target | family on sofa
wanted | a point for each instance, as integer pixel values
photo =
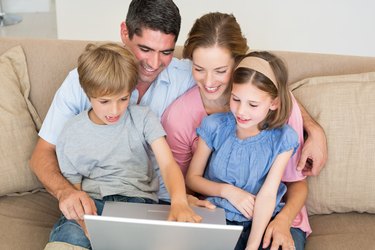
(211, 88)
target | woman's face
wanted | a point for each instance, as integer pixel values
(212, 69)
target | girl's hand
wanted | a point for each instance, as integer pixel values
(240, 199)
(181, 211)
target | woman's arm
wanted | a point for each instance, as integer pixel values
(266, 199)
(174, 182)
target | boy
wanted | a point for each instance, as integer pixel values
(105, 150)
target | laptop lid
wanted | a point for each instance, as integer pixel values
(112, 232)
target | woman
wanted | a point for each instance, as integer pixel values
(214, 44)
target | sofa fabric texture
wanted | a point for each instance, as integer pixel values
(342, 105)
(19, 122)
(336, 90)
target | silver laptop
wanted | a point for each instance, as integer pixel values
(144, 226)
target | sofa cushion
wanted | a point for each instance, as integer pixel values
(18, 124)
(344, 107)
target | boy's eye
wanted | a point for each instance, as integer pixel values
(103, 101)
(198, 69)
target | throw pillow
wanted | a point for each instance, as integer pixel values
(18, 124)
(343, 106)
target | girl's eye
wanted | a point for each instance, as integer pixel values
(124, 99)
(253, 105)
(235, 99)
(221, 72)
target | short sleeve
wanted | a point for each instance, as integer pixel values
(289, 140)
(152, 128)
(68, 101)
(213, 129)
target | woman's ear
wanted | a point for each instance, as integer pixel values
(275, 104)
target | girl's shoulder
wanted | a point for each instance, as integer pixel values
(286, 137)
(218, 121)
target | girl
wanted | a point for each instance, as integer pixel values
(250, 148)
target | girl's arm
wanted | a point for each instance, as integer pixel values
(279, 229)
(240, 199)
(174, 182)
(266, 199)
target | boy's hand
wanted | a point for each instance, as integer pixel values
(75, 203)
(181, 211)
(195, 202)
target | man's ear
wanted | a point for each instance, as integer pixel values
(275, 104)
(124, 33)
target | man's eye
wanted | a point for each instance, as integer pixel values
(144, 49)
(167, 53)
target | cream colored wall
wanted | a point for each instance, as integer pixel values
(336, 27)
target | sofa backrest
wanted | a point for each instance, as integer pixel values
(49, 61)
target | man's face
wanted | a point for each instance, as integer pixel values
(153, 50)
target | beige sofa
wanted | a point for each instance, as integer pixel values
(341, 200)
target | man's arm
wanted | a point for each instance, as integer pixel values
(72, 202)
(279, 229)
(314, 152)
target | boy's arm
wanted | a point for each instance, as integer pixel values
(266, 199)
(72, 202)
(279, 229)
(314, 151)
(174, 182)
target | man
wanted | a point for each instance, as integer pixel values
(151, 30)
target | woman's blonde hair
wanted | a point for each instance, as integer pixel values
(107, 69)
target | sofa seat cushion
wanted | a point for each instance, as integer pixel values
(18, 124)
(344, 106)
(26, 221)
(349, 231)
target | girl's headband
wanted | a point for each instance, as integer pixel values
(260, 65)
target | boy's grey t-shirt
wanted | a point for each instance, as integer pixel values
(111, 159)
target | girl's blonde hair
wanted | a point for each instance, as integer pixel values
(107, 69)
(279, 89)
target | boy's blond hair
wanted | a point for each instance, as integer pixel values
(107, 69)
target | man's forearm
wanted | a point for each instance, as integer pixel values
(45, 166)
(309, 124)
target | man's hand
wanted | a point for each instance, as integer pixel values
(74, 204)
(240, 199)
(314, 153)
(181, 211)
(279, 232)
(195, 202)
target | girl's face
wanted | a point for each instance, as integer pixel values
(212, 69)
(107, 110)
(250, 106)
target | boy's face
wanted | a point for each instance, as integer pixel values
(153, 50)
(108, 110)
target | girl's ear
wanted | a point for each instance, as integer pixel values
(275, 104)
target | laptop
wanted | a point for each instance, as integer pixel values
(144, 226)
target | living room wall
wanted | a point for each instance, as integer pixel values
(335, 27)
